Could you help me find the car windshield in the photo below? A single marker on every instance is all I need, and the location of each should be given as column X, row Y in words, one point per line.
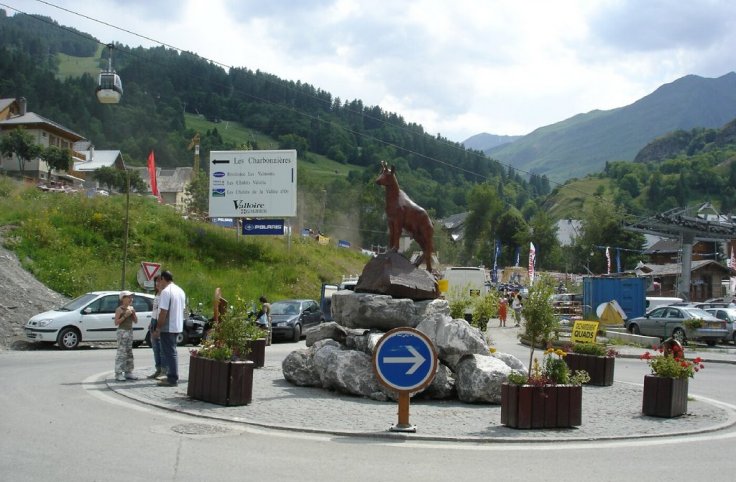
column 285, row 308
column 77, row 303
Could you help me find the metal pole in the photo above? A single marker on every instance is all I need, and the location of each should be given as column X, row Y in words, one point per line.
column 127, row 217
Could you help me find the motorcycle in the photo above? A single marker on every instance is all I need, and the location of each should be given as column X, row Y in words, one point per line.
column 195, row 327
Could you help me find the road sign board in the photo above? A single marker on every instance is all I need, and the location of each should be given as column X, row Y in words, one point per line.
column 405, row 360
column 150, row 270
column 252, row 184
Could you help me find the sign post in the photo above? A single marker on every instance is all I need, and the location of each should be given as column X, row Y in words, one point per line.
column 146, row 273
column 405, row 361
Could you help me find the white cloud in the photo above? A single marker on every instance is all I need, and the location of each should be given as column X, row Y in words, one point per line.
column 458, row 68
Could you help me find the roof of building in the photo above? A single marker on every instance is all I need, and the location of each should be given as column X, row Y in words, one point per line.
column 644, row 269
column 31, row 119
column 97, row 159
column 168, row 180
column 5, row 103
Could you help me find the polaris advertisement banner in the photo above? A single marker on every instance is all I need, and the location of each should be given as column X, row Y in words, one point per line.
column 273, row 227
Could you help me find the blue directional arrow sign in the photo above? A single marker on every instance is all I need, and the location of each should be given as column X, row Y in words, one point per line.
column 405, row 360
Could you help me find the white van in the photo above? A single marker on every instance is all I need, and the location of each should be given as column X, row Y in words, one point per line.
column 465, row 281
column 656, row 301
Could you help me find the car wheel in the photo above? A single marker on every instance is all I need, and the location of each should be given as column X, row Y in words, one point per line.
column 634, row 329
column 68, row 338
column 182, row 338
column 710, row 342
column 297, row 333
column 679, row 335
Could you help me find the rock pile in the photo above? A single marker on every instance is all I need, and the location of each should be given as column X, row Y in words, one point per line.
column 339, row 354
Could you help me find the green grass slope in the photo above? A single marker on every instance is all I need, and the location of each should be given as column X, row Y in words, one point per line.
column 75, row 244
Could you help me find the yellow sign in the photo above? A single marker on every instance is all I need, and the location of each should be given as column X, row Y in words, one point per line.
column 584, row 332
column 443, row 285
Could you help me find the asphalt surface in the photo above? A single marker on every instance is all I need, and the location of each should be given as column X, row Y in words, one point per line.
column 608, row 412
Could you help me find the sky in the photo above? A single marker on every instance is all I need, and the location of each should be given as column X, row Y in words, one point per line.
column 458, row 68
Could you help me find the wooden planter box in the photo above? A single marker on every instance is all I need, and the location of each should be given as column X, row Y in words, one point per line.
column 600, row 368
column 550, row 406
column 257, row 352
column 221, row 382
column 664, row 397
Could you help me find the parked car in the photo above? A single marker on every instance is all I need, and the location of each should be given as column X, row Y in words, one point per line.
column 89, row 317
column 729, row 316
column 669, row 321
column 291, row 318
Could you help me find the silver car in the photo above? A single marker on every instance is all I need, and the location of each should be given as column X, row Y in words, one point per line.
column 729, row 316
column 669, row 321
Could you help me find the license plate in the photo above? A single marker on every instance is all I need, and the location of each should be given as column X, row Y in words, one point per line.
column 714, row 324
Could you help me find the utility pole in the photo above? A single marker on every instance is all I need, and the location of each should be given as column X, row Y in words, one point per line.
column 127, row 224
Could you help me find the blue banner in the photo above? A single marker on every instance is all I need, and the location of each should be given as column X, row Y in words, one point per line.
column 224, row 222
column 263, row 226
column 343, row 244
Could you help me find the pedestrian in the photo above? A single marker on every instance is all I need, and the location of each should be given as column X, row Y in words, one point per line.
column 503, row 306
column 264, row 318
column 154, row 333
column 170, row 324
column 516, row 305
column 124, row 318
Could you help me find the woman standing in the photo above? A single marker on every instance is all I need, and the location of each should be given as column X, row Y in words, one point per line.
column 124, row 318
column 516, row 306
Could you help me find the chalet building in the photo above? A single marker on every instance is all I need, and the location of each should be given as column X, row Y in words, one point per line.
column 45, row 132
column 172, row 184
column 706, row 279
column 666, row 251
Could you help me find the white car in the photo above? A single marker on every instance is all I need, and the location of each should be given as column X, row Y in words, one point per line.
column 91, row 317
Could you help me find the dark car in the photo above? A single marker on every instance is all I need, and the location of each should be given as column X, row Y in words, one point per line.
column 670, row 321
column 291, row 318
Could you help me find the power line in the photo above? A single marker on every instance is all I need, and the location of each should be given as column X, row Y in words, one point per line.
column 447, row 143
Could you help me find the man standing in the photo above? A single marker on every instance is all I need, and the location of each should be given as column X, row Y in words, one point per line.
column 171, row 323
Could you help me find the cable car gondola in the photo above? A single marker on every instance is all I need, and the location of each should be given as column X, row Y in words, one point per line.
column 109, row 85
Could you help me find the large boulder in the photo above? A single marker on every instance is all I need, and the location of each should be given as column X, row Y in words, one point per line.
column 347, row 371
column 478, row 378
column 394, row 275
column 442, row 386
column 369, row 311
column 453, row 338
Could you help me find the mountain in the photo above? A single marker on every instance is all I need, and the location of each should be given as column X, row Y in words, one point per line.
column 485, row 141
column 582, row 144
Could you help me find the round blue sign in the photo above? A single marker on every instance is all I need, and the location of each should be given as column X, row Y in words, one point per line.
column 405, row 360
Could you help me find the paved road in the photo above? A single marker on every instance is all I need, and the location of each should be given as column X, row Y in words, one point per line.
column 608, row 412
column 62, row 422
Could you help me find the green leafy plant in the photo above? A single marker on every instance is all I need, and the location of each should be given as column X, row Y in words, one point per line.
column 693, row 324
column 552, row 371
column 539, row 315
column 594, row 349
column 672, row 363
column 483, row 308
column 229, row 339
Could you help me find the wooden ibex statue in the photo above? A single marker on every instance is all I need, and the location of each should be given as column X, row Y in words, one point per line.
column 403, row 213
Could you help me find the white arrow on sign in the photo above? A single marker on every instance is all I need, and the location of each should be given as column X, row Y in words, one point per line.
column 417, row 359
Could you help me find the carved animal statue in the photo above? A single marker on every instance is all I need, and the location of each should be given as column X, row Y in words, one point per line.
column 404, row 214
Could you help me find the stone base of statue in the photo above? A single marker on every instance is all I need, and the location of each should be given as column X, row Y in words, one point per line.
column 394, row 275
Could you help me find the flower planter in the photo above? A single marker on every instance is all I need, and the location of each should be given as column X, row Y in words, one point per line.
column 257, row 352
column 221, row 382
column 600, row 368
column 550, row 406
column 664, row 397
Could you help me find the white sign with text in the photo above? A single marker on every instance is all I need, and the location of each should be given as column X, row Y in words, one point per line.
column 252, row 184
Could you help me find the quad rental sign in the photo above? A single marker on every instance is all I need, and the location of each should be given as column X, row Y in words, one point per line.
column 252, row 184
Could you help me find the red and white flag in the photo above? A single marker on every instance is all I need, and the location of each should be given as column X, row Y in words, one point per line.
column 608, row 259
column 532, row 260
column 152, row 176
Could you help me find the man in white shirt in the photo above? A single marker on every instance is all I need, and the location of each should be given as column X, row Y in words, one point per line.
column 170, row 322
